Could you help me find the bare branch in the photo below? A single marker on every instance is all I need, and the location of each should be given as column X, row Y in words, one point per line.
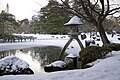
column 115, row 9
column 73, row 11
column 87, row 11
column 93, row 7
column 103, row 8
column 108, row 7
column 113, row 12
column 107, row 11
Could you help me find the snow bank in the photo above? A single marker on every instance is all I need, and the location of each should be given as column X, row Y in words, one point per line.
column 106, row 69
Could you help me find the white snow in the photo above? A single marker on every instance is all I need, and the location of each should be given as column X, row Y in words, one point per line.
column 60, row 64
column 42, row 40
column 53, row 40
column 14, row 62
column 105, row 69
column 71, row 56
column 95, row 62
column 74, row 20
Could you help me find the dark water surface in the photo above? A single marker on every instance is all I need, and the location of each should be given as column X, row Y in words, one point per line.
column 36, row 57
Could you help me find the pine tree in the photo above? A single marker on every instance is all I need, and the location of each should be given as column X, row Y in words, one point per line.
column 52, row 18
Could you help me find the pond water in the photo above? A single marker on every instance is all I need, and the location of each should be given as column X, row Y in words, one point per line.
column 36, row 57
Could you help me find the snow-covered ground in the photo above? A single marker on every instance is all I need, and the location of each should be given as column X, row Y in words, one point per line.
column 42, row 40
column 51, row 40
column 106, row 69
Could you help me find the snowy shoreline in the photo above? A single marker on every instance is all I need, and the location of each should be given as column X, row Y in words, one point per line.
column 106, row 69
column 41, row 41
column 99, row 71
column 21, row 45
column 49, row 40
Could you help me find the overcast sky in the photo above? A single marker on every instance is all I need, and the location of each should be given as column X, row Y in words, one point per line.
column 26, row 8
column 23, row 8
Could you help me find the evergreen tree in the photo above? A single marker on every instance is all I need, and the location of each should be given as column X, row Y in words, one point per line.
column 52, row 18
column 8, row 23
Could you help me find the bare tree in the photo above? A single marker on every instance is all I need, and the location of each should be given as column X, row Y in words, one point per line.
column 93, row 11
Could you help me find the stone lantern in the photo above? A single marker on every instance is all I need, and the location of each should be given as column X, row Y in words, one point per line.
column 72, row 26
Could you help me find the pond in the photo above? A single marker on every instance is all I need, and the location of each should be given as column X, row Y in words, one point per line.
column 36, row 57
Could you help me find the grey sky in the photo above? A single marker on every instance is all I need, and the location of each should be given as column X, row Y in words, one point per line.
column 26, row 8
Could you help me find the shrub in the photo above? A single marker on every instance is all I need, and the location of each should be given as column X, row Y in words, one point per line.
column 113, row 46
column 92, row 53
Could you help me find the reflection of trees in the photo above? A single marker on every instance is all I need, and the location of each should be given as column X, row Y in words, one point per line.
column 46, row 55
column 26, row 50
column 7, row 53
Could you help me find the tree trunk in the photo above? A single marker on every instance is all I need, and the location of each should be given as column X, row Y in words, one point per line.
column 102, row 34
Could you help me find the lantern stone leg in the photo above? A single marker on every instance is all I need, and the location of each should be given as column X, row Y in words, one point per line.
column 80, row 43
column 64, row 48
column 67, row 44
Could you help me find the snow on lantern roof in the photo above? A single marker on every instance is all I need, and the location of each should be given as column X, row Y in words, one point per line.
column 74, row 21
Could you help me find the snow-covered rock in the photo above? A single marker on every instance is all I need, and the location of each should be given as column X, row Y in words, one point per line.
column 55, row 66
column 14, row 65
column 60, row 64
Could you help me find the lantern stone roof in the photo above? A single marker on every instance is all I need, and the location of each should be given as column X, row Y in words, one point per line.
column 74, row 21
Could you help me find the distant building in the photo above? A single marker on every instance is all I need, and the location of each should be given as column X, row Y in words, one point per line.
column 7, row 8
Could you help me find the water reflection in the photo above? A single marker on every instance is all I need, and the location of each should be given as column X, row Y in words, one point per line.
column 36, row 57
column 6, row 53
